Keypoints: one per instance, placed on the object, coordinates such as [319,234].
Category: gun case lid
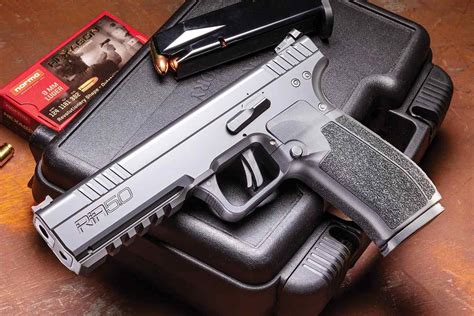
[376,62]
[365,71]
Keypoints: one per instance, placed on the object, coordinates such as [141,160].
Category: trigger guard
[210,193]
[269,199]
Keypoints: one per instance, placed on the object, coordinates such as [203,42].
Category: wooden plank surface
[432,273]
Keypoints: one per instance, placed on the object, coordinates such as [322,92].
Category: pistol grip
[381,189]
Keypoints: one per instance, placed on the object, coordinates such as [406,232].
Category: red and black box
[54,90]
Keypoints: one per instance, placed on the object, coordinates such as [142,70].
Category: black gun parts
[235,31]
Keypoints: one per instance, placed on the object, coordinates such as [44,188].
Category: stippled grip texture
[375,172]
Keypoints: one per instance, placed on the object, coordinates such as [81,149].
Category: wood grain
[432,273]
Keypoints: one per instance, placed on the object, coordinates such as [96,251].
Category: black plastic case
[289,256]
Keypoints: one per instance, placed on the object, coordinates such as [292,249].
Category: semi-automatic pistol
[232,152]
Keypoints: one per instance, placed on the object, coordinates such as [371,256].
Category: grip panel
[377,174]
[388,150]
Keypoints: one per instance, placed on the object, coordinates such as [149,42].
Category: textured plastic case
[287,255]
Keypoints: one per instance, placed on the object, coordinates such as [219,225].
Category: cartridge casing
[6,153]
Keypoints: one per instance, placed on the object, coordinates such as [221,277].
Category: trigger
[248,175]
[252,171]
